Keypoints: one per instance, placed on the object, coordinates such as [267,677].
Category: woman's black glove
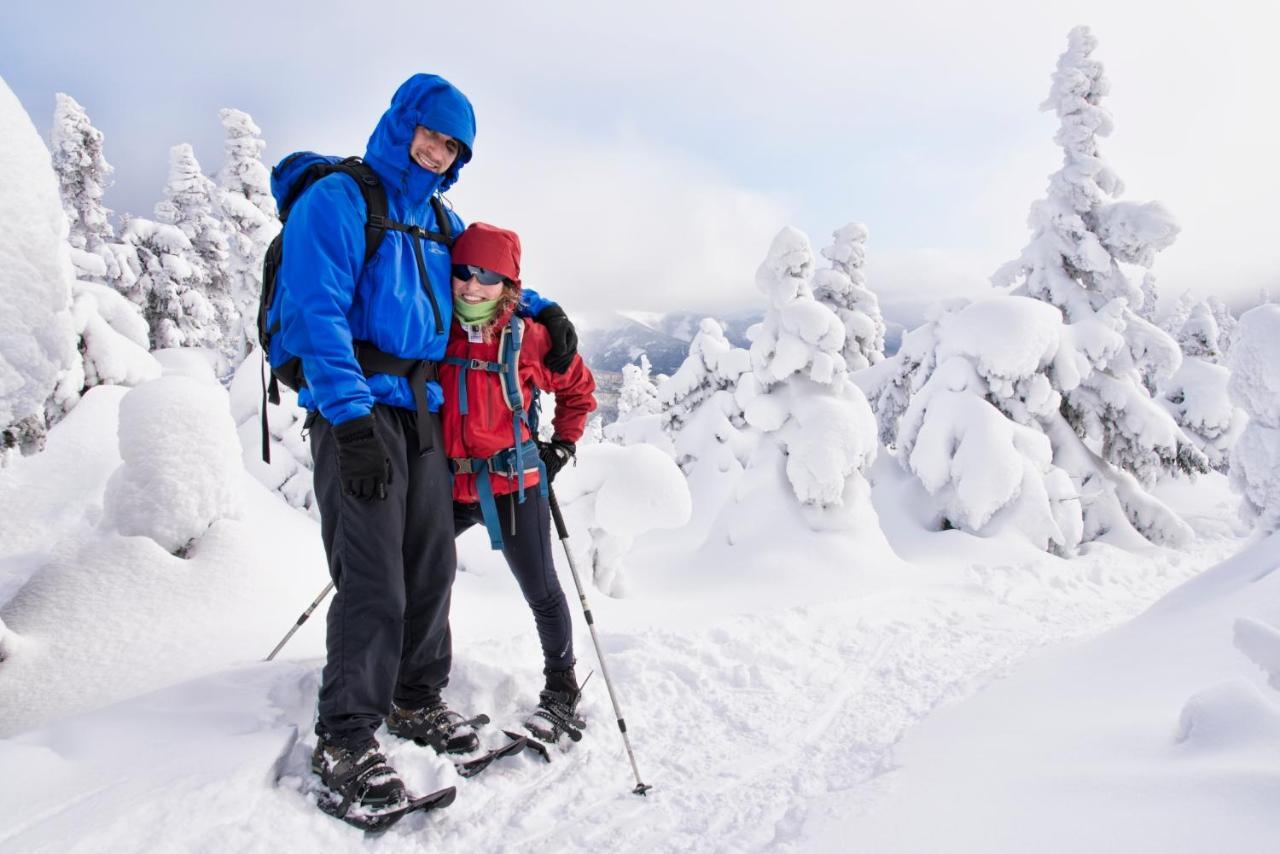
[564,338]
[554,455]
[363,464]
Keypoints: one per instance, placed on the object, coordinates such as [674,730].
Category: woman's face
[472,291]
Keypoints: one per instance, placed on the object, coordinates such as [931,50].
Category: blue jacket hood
[433,102]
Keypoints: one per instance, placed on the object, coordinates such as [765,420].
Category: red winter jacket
[486,428]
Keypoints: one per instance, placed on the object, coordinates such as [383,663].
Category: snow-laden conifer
[1255,387]
[698,403]
[1114,359]
[640,419]
[83,173]
[249,212]
[638,396]
[798,392]
[890,383]
[972,432]
[190,203]
[843,288]
[168,286]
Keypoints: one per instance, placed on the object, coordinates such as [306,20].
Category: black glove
[363,464]
[564,338]
[554,455]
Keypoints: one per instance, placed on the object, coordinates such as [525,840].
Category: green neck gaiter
[475,312]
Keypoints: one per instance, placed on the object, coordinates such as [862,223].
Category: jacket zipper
[426,280]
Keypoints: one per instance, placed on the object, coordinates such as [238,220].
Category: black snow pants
[528,553]
[392,562]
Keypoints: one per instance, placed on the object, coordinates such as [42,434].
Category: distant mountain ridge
[664,338]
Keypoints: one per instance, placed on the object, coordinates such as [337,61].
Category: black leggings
[528,553]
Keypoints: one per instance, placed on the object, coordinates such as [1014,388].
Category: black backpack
[294,175]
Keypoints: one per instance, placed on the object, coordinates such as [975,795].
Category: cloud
[614,221]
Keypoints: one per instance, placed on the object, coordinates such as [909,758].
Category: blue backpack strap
[488,507]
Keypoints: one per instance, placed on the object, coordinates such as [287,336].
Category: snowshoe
[556,715]
[361,789]
[436,726]
[515,744]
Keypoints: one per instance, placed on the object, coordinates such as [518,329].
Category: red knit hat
[484,245]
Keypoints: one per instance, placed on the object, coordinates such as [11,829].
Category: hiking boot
[434,725]
[557,711]
[359,780]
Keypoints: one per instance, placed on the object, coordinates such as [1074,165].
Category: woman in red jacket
[493,365]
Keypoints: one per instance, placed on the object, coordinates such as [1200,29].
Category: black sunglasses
[466,272]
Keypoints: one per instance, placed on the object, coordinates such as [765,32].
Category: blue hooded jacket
[328,297]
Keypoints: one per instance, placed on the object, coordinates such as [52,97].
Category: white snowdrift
[614,494]
[1162,735]
[37,343]
[181,469]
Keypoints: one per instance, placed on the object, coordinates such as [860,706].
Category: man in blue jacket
[368,336]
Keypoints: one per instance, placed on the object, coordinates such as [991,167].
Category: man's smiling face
[432,150]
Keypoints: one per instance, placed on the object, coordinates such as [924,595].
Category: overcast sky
[647,154]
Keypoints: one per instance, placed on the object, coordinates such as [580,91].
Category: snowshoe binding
[437,726]
[361,789]
[557,711]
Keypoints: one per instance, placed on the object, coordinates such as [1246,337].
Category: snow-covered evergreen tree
[189,204]
[1116,360]
[1198,399]
[972,432]
[249,212]
[1255,387]
[40,374]
[640,419]
[890,383]
[798,393]
[638,396]
[697,400]
[83,173]
[173,303]
[111,332]
[1196,395]
[843,288]
[1199,334]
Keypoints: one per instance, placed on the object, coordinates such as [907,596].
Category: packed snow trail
[746,727]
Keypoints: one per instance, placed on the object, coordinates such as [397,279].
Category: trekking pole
[305,614]
[563,532]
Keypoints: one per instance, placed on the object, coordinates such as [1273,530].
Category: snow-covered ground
[767,685]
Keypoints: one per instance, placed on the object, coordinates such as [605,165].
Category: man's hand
[564,338]
[554,455]
[363,464]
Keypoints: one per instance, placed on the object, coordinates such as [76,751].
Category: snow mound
[181,470]
[37,342]
[1260,643]
[290,470]
[1229,717]
[1255,382]
[616,493]
[1255,387]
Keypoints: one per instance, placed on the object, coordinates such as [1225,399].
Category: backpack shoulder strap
[443,221]
[375,201]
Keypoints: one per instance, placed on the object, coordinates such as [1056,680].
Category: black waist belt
[418,371]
